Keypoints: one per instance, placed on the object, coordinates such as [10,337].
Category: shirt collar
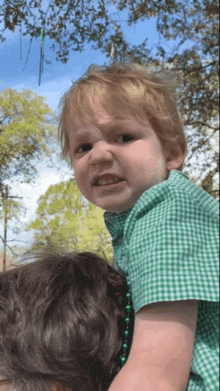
[115,221]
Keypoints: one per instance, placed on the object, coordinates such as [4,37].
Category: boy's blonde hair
[122,90]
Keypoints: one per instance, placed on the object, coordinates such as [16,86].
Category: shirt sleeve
[173,252]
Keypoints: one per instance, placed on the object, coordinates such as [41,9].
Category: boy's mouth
[107,181]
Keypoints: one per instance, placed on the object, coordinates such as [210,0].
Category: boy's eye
[84,147]
[126,137]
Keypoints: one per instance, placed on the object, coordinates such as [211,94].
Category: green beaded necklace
[125,346]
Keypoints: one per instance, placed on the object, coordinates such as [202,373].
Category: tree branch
[8,246]
[195,69]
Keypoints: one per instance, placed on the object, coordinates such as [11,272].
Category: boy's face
[110,150]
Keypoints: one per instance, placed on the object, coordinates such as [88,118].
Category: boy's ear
[175,158]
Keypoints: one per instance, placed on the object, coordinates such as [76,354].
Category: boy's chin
[119,209]
[111,209]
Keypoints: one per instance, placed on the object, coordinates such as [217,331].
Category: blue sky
[57,76]
[55,80]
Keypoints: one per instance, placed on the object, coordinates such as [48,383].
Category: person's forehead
[106,125]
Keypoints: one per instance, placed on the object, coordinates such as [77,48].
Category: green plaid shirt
[168,243]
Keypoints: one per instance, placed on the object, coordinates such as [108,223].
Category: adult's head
[62,319]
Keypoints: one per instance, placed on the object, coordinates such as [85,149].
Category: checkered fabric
[168,243]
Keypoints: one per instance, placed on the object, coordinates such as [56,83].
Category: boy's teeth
[107,181]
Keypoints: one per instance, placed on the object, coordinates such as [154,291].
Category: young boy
[121,129]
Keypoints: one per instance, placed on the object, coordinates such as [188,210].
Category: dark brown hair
[61,320]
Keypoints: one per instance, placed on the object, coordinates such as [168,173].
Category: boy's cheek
[78,182]
[82,185]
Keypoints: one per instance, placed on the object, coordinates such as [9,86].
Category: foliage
[10,207]
[15,255]
[24,132]
[10,211]
[24,136]
[187,47]
[65,220]
[208,184]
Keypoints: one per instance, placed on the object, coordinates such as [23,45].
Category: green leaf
[65,219]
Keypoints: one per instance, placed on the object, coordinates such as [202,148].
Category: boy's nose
[101,153]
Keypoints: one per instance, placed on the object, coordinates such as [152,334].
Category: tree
[10,209]
[24,133]
[65,220]
[188,48]
[208,183]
